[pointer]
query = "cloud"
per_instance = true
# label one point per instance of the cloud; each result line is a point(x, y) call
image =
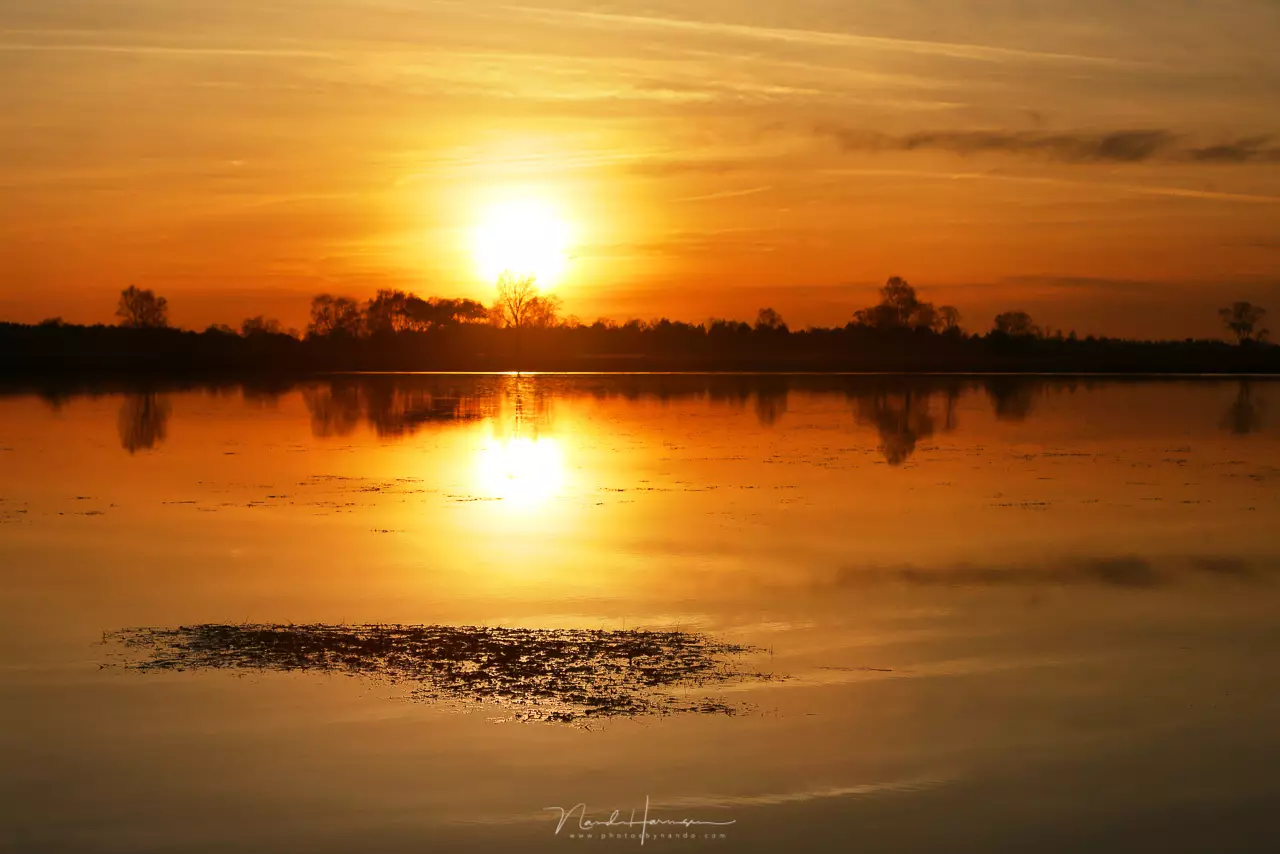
point(686, 166)
point(819, 38)
point(1246, 150)
point(1117, 146)
point(1115, 188)
point(726, 194)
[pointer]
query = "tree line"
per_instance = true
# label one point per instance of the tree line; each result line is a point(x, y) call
point(519, 305)
point(525, 329)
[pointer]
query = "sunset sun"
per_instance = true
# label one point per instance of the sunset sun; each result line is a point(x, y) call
point(527, 237)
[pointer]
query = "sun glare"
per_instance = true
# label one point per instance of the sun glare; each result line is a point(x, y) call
point(525, 237)
point(521, 470)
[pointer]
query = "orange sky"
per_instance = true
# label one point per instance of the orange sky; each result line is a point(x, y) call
point(1104, 164)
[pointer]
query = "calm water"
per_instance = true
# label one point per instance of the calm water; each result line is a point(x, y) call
point(976, 615)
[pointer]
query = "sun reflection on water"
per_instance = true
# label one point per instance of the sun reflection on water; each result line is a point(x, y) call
point(521, 470)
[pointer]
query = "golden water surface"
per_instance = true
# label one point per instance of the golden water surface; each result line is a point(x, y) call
point(985, 614)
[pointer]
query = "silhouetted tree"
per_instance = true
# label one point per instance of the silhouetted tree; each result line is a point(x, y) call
point(718, 326)
point(1242, 319)
point(143, 421)
point(948, 318)
point(437, 312)
point(519, 305)
point(332, 315)
point(219, 329)
point(142, 309)
point(768, 320)
point(899, 308)
point(260, 325)
point(543, 312)
point(386, 312)
point(1016, 324)
point(51, 322)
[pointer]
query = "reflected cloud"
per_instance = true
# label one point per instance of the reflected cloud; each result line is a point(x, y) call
point(143, 421)
point(1126, 571)
point(556, 675)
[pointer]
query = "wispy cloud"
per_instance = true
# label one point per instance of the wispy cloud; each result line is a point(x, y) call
point(1116, 146)
point(1138, 189)
point(727, 194)
point(63, 46)
point(986, 53)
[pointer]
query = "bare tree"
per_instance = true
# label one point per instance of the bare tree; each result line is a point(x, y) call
point(139, 309)
point(544, 312)
point(948, 318)
point(1242, 319)
point(519, 305)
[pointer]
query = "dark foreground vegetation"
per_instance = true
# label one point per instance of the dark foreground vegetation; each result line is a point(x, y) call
point(560, 675)
point(524, 331)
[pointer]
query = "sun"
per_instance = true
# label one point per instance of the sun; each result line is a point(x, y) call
point(526, 237)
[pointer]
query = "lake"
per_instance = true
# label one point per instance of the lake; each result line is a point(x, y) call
point(414, 613)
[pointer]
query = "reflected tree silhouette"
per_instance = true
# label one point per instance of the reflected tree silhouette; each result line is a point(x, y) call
point(904, 412)
point(523, 407)
point(771, 400)
point(1012, 398)
point(143, 421)
point(1245, 414)
point(402, 410)
point(902, 420)
point(395, 406)
point(335, 408)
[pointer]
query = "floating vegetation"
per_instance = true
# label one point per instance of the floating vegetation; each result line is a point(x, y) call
point(561, 675)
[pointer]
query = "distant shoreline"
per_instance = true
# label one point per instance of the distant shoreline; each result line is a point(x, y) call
point(64, 352)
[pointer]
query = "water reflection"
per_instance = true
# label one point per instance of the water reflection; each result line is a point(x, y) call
point(1014, 397)
point(903, 418)
point(904, 412)
point(143, 421)
point(1128, 571)
point(394, 406)
point(1245, 414)
point(521, 469)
